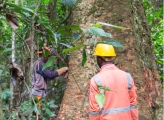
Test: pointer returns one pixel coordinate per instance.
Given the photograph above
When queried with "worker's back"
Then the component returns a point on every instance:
(117, 101)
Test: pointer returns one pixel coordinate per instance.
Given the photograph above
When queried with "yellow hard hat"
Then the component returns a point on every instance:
(104, 50)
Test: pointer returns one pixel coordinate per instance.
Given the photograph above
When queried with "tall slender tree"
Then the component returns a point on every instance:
(14, 28)
(137, 57)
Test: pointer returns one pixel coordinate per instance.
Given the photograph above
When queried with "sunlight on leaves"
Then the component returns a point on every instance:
(102, 23)
(99, 32)
(73, 48)
(114, 43)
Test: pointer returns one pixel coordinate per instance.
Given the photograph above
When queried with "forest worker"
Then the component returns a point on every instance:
(40, 77)
(119, 105)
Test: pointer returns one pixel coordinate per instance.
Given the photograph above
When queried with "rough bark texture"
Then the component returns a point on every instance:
(137, 57)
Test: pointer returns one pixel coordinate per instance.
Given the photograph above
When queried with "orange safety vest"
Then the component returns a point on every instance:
(119, 105)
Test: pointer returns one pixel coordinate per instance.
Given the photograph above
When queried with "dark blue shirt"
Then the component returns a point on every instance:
(46, 73)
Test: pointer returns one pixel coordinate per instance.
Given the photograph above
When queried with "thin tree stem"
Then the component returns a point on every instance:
(32, 48)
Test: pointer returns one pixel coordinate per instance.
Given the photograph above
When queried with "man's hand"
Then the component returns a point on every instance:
(62, 70)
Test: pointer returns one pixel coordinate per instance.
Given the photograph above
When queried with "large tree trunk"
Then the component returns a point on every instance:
(137, 57)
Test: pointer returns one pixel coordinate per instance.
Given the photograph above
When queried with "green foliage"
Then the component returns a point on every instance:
(163, 84)
(25, 105)
(114, 43)
(49, 62)
(156, 23)
(103, 88)
(28, 108)
(73, 48)
(99, 32)
(6, 94)
(44, 29)
(100, 99)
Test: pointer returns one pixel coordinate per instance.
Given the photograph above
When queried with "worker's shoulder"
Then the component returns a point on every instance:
(125, 72)
(128, 75)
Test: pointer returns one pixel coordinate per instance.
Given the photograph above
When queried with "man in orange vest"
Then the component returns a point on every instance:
(119, 105)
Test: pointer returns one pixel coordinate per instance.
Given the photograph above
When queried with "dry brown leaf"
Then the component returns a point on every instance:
(12, 20)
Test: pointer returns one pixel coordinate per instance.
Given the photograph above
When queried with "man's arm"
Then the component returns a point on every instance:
(47, 73)
(133, 101)
(93, 105)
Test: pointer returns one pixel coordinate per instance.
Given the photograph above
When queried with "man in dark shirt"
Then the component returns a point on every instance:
(40, 77)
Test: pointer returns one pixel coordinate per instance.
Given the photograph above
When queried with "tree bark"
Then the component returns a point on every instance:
(137, 57)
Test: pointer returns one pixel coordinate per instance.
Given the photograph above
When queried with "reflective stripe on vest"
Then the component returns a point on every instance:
(98, 82)
(129, 78)
(113, 110)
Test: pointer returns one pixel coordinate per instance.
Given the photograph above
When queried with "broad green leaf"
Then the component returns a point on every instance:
(72, 27)
(51, 102)
(48, 111)
(63, 32)
(99, 32)
(50, 32)
(52, 114)
(55, 36)
(14, 115)
(114, 43)
(84, 57)
(100, 99)
(6, 93)
(18, 8)
(97, 25)
(75, 36)
(73, 48)
(66, 44)
(159, 62)
(53, 106)
(4, 96)
(49, 62)
(69, 2)
(102, 23)
(24, 105)
(46, 1)
(84, 30)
